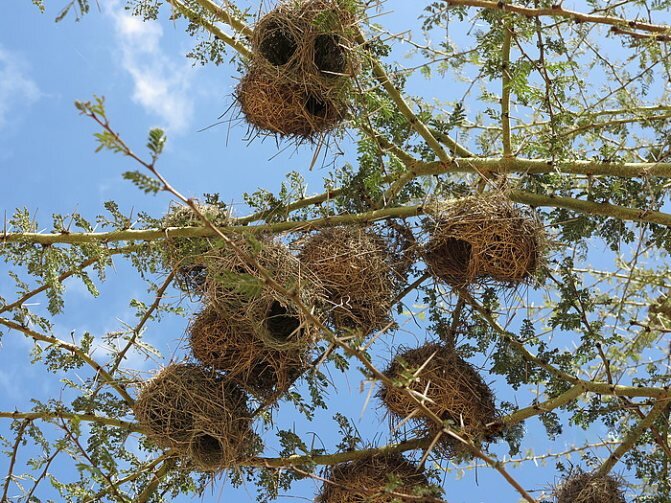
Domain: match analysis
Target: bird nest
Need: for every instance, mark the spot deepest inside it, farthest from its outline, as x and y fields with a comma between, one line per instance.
x=231, y=346
x=285, y=108
x=184, y=255
x=589, y=488
x=193, y=410
x=302, y=58
x=481, y=238
x=376, y=479
x=239, y=292
x=447, y=386
x=358, y=271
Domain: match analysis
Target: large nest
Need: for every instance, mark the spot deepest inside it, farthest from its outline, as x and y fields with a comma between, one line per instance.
x=376, y=479
x=285, y=108
x=590, y=488
x=185, y=254
x=483, y=238
x=237, y=290
x=359, y=272
x=302, y=59
x=195, y=411
x=234, y=347
x=447, y=385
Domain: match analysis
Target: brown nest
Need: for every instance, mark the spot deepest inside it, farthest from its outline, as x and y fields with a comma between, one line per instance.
x=285, y=108
x=590, y=488
x=482, y=238
x=185, y=254
x=195, y=411
x=233, y=347
x=358, y=272
x=376, y=479
x=239, y=293
x=308, y=42
x=450, y=388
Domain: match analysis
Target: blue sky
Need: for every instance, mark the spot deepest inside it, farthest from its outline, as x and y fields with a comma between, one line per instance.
x=48, y=165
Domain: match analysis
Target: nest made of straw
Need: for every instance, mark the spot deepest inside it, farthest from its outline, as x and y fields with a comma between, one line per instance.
x=589, y=488
x=287, y=109
x=376, y=479
x=309, y=43
x=194, y=410
x=234, y=347
x=447, y=385
x=238, y=291
x=481, y=238
x=185, y=254
x=358, y=271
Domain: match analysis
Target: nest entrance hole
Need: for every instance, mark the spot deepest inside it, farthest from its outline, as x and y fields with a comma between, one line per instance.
x=281, y=324
x=207, y=449
x=329, y=55
x=316, y=106
x=278, y=44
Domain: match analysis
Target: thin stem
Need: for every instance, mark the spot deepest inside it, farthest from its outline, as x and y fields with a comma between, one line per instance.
x=505, y=89
x=91, y=418
x=12, y=459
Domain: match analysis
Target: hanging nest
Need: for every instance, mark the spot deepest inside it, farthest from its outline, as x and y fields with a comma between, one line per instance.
x=185, y=254
x=238, y=292
x=359, y=273
x=450, y=387
x=195, y=411
x=233, y=347
x=590, y=488
x=481, y=238
x=376, y=479
x=285, y=108
x=309, y=43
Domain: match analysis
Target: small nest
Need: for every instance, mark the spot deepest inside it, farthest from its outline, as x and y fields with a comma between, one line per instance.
x=286, y=109
x=195, y=411
x=185, y=254
x=450, y=387
x=358, y=272
x=482, y=238
x=233, y=347
x=590, y=488
x=239, y=294
x=378, y=479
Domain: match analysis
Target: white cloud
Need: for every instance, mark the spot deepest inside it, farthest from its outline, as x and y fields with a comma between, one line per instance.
x=161, y=85
x=17, y=90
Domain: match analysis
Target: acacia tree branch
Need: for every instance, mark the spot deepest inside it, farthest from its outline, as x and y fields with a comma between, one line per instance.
x=505, y=89
x=557, y=11
x=632, y=437
x=42, y=475
x=100, y=371
x=158, y=475
x=12, y=459
x=226, y=17
x=71, y=416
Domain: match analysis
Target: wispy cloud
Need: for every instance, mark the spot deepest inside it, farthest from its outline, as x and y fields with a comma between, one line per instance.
x=161, y=84
x=17, y=90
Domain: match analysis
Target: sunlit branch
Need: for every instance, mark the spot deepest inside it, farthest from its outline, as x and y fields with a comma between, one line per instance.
x=100, y=371
x=226, y=17
x=72, y=416
x=557, y=11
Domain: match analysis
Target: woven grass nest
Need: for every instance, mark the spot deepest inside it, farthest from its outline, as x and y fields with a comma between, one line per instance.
x=359, y=271
x=297, y=76
x=237, y=291
x=233, y=347
x=191, y=409
x=483, y=238
x=453, y=391
x=185, y=254
x=589, y=488
x=376, y=479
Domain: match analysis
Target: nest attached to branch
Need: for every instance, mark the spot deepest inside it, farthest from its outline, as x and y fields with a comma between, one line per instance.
x=302, y=60
x=375, y=479
x=589, y=488
x=233, y=347
x=359, y=272
x=448, y=386
x=481, y=238
x=192, y=409
x=238, y=292
x=285, y=108
x=185, y=254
